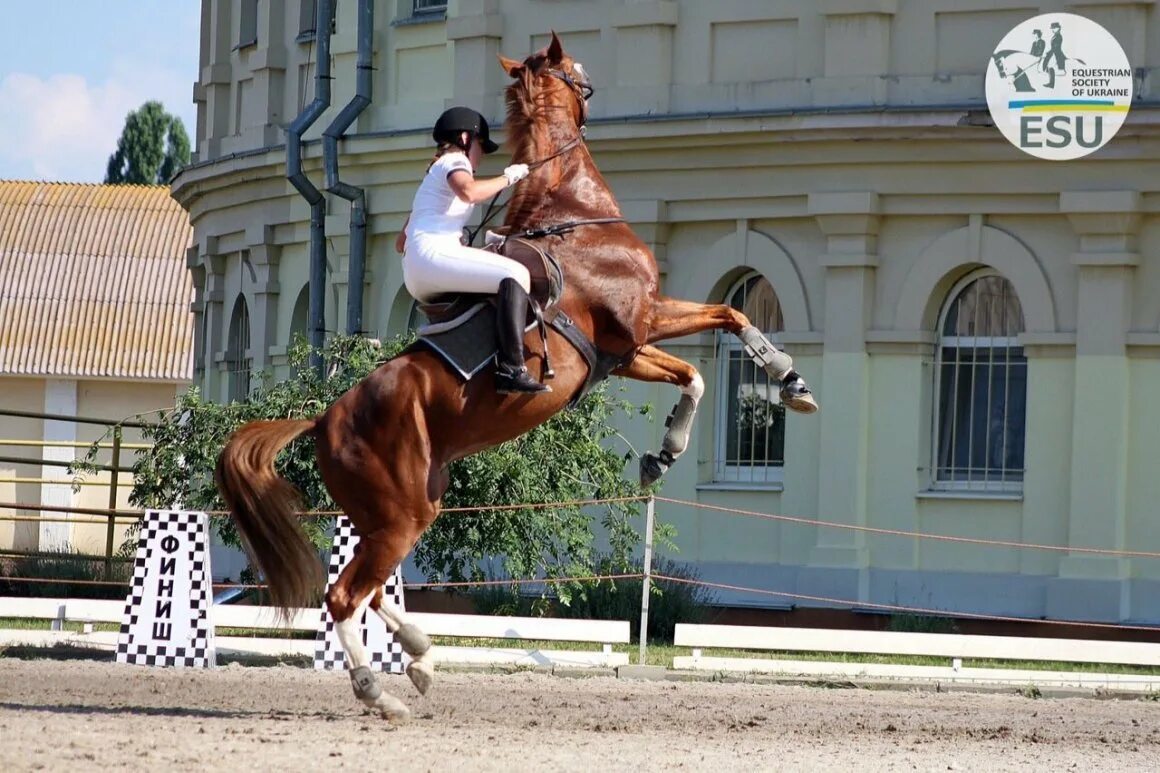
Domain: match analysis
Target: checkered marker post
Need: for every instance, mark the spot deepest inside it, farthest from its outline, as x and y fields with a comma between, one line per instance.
x=385, y=653
x=167, y=620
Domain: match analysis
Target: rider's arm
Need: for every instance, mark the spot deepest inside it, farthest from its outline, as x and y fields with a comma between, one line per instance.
x=473, y=191
x=401, y=239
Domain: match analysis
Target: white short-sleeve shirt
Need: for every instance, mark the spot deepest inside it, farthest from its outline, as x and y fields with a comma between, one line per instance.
x=436, y=210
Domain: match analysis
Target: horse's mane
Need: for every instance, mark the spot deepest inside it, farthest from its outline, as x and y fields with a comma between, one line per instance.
x=520, y=126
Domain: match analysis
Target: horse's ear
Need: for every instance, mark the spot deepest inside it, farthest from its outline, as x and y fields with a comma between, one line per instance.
x=510, y=66
x=555, y=50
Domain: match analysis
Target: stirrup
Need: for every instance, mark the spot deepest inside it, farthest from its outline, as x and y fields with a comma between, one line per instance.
x=518, y=382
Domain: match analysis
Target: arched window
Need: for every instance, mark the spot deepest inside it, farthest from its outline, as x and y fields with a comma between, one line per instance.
x=238, y=358
x=300, y=317
x=981, y=387
x=750, y=417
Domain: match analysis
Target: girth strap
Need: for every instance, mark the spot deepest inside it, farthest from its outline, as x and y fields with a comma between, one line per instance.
x=600, y=364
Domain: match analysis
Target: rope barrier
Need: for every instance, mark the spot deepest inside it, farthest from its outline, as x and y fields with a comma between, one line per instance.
x=914, y=534
x=899, y=608
x=78, y=521
x=44, y=581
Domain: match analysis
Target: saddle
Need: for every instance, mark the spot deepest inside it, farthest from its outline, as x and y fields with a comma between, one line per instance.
x=462, y=326
x=546, y=287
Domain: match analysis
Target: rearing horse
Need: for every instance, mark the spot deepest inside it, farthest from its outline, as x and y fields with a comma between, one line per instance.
x=384, y=447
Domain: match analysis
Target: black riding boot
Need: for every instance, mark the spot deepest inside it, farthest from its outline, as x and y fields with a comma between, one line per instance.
x=511, y=313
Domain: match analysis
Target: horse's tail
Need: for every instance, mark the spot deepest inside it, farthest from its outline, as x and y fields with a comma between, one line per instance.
x=264, y=506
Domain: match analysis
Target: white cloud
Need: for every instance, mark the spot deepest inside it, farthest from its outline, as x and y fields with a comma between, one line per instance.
x=62, y=128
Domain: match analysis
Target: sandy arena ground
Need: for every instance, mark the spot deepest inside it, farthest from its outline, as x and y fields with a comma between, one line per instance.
x=87, y=715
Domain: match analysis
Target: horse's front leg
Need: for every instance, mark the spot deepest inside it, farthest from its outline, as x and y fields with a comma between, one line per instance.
x=672, y=318
x=654, y=365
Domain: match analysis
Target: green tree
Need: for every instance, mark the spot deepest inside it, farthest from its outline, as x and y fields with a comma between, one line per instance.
x=566, y=459
x=152, y=147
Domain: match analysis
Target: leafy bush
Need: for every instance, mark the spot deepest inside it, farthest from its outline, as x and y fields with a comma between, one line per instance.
x=669, y=602
x=565, y=459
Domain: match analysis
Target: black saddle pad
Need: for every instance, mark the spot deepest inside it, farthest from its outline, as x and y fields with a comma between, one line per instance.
x=468, y=342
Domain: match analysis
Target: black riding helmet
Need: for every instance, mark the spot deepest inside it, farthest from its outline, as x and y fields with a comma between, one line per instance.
x=463, y=119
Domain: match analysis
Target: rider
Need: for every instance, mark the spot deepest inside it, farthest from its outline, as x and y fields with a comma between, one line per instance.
x=435, y=259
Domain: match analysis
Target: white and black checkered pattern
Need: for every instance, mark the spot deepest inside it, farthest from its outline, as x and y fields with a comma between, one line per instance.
x=385, y=653
x=200, y=652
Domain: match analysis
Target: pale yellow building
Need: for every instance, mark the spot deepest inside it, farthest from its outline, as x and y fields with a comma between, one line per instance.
x=95, y=322
x=982, y=327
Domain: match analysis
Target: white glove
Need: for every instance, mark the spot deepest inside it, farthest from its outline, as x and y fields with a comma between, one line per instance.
x=515, y=173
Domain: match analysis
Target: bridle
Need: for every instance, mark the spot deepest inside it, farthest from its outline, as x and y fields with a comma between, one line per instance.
x=581, y=86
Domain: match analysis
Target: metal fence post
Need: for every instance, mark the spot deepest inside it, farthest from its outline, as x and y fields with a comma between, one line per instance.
x=115, y=467
x=646, y=583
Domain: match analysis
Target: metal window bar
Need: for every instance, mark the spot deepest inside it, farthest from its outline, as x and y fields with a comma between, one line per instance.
x=978, y=343
x=428, y=6
x=238, y=361
x=750, y=418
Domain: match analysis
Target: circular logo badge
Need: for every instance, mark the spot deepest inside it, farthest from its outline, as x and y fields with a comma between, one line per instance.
x=1059, y=86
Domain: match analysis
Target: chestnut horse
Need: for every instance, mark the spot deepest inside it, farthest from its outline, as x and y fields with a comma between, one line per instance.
x=383, y=448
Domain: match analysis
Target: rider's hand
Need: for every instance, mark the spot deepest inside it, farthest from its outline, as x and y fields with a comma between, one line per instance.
x=515, y=173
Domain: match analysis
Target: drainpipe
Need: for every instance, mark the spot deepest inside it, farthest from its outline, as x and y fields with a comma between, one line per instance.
x=315, y=317
x=356, y=196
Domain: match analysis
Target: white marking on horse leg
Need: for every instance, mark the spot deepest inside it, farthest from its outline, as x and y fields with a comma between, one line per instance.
x=415, y=643
x=350, y=637
x=695, y=389
x=366, y=687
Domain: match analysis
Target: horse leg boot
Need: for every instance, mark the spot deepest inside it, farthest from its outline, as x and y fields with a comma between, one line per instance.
x=680, y=425
x=362, y=679
x=779, y=365
x=511, y=375
x=414, y=642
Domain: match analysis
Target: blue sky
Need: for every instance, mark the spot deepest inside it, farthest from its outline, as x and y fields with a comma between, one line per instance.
x=69, y=77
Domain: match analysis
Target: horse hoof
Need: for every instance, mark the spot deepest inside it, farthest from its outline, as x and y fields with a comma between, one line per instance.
x=413, y=640
x=651, y=469
x=422, y=675
x=392, y=709
x=802, y=403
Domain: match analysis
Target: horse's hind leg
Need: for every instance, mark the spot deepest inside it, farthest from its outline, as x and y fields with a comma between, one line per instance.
x=346, y=599
x=414, y=642
x=672, y=318
x=654, y=365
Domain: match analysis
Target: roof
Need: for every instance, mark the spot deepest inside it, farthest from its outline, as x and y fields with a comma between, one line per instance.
x=93, y=282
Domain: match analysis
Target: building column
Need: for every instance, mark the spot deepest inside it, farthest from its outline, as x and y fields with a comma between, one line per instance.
x=264, y=258
x=857, y=52
x=644, y=56
x=268, y=81
x=1091, y=586
x=60, y=397
x=216, y=323
x=850, y=224
x=475, y=32
x=215, y=82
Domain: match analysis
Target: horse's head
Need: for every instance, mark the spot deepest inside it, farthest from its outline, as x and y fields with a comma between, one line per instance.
x=548, y=84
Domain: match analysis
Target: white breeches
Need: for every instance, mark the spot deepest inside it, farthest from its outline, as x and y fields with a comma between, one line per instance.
x=435, y=265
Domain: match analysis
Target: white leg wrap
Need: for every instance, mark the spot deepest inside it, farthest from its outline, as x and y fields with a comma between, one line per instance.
x=775, y=362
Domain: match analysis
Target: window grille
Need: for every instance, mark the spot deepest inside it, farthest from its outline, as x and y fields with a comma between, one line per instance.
x=750, y=417
x=980, y=388
x=238, y=362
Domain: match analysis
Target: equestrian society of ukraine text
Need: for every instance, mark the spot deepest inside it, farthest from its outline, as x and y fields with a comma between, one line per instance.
x=1095, y=82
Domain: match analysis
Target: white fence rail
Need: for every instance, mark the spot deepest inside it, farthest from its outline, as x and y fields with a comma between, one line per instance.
x=956, y=647
x=87, y=612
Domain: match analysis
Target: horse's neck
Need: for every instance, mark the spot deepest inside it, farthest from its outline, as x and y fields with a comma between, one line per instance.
x=571, y=185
